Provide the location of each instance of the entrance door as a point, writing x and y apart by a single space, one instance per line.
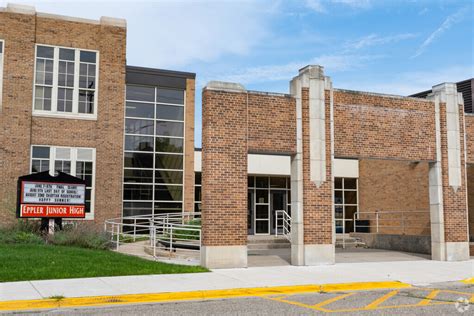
277 202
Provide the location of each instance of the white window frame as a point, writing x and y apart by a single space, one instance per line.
54 94
2 57
73 159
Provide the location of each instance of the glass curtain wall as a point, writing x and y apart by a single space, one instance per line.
153 150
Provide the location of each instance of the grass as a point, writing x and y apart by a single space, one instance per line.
19 262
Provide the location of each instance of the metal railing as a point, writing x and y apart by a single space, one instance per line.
170 235
393 222
283 224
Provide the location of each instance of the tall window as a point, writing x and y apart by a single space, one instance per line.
154 150
1 72
78 162
345 203
65 81
197 192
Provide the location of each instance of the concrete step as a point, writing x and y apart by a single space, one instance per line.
267 239
266 246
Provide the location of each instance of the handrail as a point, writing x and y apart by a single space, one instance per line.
164 233
281 216
400 221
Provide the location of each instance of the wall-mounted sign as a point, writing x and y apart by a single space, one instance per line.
45 196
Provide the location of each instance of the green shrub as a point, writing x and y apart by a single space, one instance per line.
21 232
187 234
80 235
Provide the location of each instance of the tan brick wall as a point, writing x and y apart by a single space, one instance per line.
395 186
455 203
377 126
469 119
19 129
189 148
272 123
224 168
317 201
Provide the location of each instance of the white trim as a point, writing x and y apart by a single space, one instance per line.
54 91
2 58
73 159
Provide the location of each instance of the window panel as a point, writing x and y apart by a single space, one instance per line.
89 57
165 161
137 208
167 176
168 193
40 152
63 166
161 208
198 178
197 194
45 51
137 192
170 112
262 182
278 182
138 176
86 101
170 96
251 181
166 128
135 126
145 110
138 160
139 143
140 93
171 145
262 196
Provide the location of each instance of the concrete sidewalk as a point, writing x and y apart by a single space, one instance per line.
412 272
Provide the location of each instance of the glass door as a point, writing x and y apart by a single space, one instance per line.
278 202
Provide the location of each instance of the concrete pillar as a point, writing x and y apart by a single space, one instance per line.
224 176
311 172
447 178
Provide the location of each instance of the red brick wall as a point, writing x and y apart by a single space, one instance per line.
377 126
19 130
317 201
272 123
469 119
224 168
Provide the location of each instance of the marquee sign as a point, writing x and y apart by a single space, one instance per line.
45 196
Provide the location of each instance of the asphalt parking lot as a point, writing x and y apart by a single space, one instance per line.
453 298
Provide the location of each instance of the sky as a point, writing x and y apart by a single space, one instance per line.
388 46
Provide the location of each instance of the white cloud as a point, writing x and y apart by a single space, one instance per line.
269 73
176 34
315 5
374 39
446 25
410 82
320 6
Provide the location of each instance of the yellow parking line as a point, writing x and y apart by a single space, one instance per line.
194 295
428 298
380 300
332 300
468 281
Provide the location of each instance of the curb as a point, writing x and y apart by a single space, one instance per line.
88 301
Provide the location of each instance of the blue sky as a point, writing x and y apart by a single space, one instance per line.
389 46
